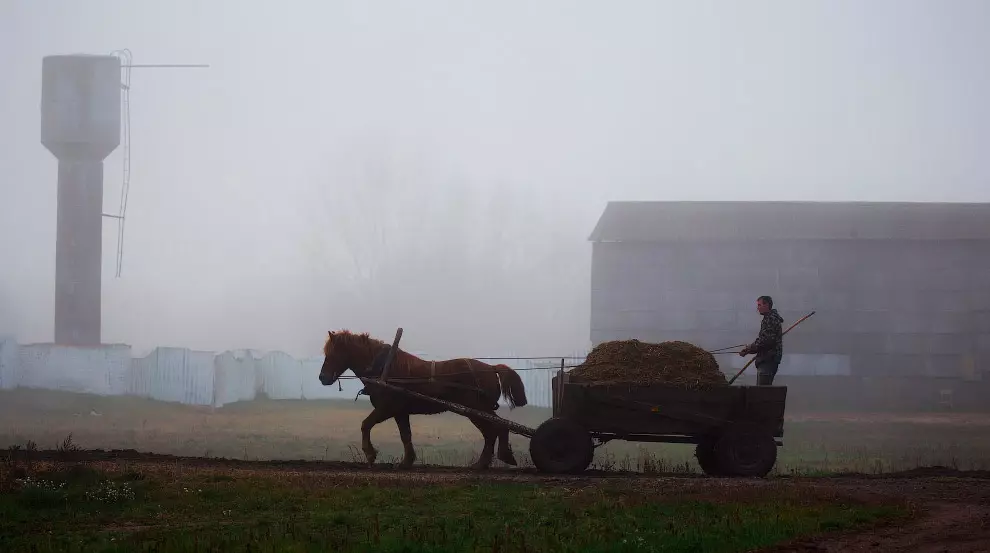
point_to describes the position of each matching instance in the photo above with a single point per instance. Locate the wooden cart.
(735, 428)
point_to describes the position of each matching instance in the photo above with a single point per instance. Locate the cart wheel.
(561, 446)
(590, 457)
(704, 452)
(745, 450)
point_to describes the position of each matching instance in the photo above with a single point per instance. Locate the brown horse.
(468, 382)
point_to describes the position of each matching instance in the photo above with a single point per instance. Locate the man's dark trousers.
(766, 370)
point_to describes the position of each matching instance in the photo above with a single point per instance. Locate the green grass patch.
(84, 510)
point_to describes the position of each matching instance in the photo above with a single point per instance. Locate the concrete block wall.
(9, 363)
(101, 371)
(891, 307)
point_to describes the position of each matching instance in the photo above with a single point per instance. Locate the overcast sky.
(438, 165)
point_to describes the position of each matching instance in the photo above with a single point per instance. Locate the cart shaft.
(513, 427)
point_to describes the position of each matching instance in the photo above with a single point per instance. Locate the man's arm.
(770, 334)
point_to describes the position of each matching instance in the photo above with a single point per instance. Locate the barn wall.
(884, 307)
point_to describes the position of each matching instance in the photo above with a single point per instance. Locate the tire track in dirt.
(952, 516)
(943, 528)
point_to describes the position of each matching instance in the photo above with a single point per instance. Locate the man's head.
(764, 304)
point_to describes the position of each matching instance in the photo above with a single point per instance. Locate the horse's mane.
(351, 341)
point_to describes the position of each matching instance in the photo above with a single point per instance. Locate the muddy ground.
(951, 508)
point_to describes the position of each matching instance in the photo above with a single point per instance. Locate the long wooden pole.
(720, 350)
(750, 362)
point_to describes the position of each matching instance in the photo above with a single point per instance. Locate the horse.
(468, 382)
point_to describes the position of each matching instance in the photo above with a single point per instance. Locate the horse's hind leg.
(504, 448)
(405, 434)
(374, 418)
(490, 433)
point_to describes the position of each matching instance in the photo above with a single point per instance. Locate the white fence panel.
(182, 376)
(236, 378)
(201, 377)
(139, 376)
(281, 376)
(167, 375)
(225, 369)
(537, 383)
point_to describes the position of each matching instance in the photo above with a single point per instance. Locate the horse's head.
(335, 361)
(344, 351)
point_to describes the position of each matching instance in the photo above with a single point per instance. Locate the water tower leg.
(78, 253)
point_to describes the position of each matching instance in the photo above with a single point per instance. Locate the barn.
(900, 290)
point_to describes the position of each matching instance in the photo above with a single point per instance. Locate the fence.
(196, 377)
(204, 378)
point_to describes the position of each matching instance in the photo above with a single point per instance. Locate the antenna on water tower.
(82, 100)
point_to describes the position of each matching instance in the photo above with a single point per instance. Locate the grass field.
(67, 501)
(330, 430)
(168, 508)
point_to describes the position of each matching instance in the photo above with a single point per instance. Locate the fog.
(439, 165)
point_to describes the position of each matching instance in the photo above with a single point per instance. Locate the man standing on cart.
(769, 344)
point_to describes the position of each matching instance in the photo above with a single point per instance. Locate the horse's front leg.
(374, 418)
(405, 434)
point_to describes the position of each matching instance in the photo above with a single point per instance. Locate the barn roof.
(721, 221)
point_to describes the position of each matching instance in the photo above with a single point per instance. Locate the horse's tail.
(512, 386)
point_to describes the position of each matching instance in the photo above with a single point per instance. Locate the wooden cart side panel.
(623, 409)
(765, 405)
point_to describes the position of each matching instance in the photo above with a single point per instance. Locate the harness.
(377, 366)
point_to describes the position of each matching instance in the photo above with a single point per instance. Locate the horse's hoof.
(508, 459)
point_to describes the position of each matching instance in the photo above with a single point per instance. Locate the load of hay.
(639, 363)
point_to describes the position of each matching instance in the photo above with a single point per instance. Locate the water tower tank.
(80, 105)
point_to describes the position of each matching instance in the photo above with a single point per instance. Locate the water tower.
(80, 126)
